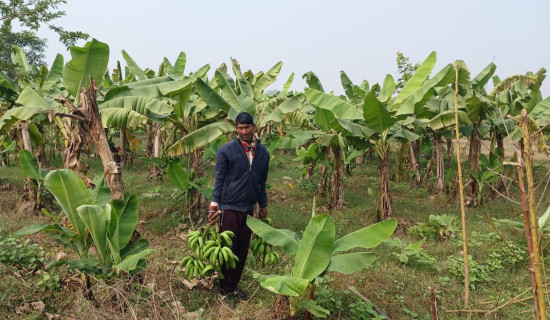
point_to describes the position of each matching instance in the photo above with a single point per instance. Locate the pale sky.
(359, 37)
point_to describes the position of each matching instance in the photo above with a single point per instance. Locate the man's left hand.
(263, 213)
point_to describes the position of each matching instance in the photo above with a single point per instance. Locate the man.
(241, 173)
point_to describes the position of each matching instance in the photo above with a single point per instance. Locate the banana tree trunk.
(123, 143)
(413, 167)
(450, 152)
(337, 192)
(402, 170)
(386, 210)
(113, 171)
(29, 200)
(27, 144)
(148, 140)
(473, 159)
(440, 170)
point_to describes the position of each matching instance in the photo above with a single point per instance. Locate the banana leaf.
(28, 165)
(131, 262)
(200, 137)
(88, 61)
(285, 238)
(35, 228)
(285, 285)
(151, 108)
(267, 79)
(289, 105)
(132, 65)
(127, 218)
(97, 220)
(368, 237)
(349, 263)
(70, 192)
(341, 109)
(54, 75)
(315, 248)
(324, 119)
(177, 175)
(179, 65)
(415, 82)
(376, 116)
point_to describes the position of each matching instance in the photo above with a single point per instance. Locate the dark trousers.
(236, 222)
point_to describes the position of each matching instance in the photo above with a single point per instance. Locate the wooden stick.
(433, 304)
(362, 297)
(461, 190)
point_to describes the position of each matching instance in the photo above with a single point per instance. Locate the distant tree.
(28, 16)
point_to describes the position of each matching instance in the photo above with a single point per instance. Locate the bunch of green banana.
(195, 268)
(211, 250)
(264, 251)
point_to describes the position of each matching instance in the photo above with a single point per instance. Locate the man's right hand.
(213, 216)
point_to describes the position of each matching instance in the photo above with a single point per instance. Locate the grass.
(401, 290)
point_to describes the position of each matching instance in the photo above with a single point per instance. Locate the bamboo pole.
(539, 291)
(526, 225)
(462, 208)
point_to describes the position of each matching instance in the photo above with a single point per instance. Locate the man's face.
(245, 132)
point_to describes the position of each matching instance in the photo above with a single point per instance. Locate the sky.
(326, 37)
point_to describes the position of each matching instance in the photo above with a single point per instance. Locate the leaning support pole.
(462, 208)
(526, 225)
(539, 290)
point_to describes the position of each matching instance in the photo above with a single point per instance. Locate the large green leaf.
(292, 104)
(151, 108)
(341, 108)
(447, 119)
(285, 285)
(127, 215)
(134, 248)
(19, 58)
(132, 65)
(442, 78)
(28, 165)
(130, 262)
(29, 98)
(97, 219)
(122, 118)
(348, 87)
(313, 308)
(313, 81)
(355, 129)
(287, 85)
(315, 248)
(179, 65)
(324, 119)
(377, 117)
(238, 103)
(13, 115)
(88, 61)
(70, 192)
(415, 82)
(349, 263)
(54, 76)
(484, 76)
(267, 79)
(541, 112)
(387, 89)
(200, 137)
(42, 227)
(287, 239)
(211, 97)
(368, 237)
(177, 175)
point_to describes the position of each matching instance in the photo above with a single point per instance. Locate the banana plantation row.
(80, 106)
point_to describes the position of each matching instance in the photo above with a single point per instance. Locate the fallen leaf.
(179, 307)
(190, 284)
(38, 306)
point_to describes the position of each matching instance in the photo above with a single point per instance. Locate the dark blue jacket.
(240, 185)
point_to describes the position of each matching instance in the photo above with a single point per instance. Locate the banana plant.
(316, 253)
(96, 221)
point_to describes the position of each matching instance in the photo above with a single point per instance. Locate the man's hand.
(213, 216)
(263, 213)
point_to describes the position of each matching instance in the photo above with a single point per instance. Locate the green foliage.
(22, 254)
(29, 15)
(438, 227)
(48, 281)
(479, 273)
(318, 252)
(106, 226)
(412, 253)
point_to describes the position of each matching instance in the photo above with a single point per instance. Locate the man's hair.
(244, 118)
